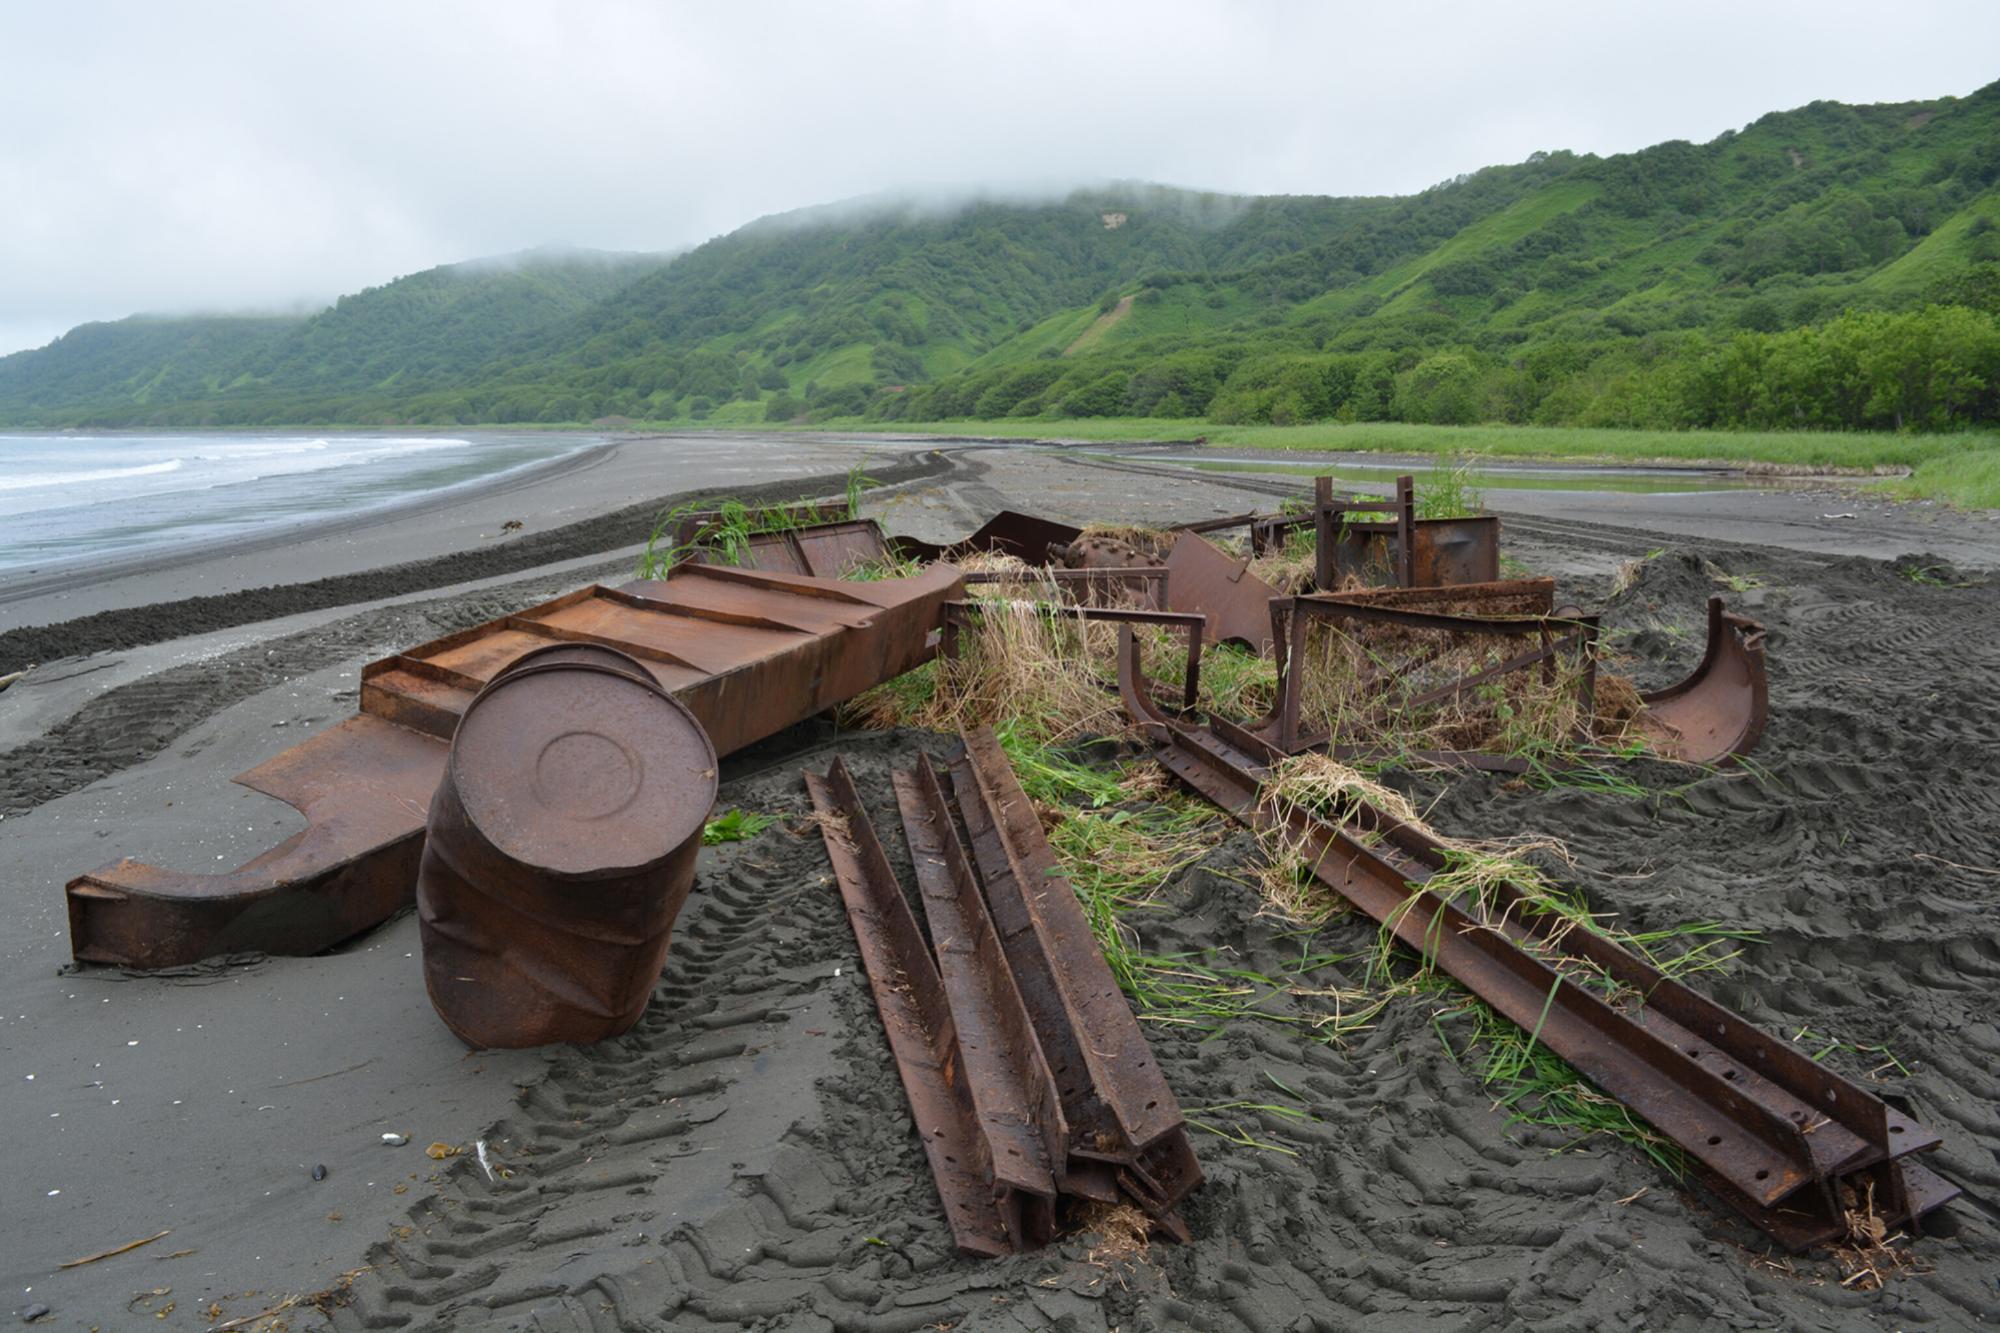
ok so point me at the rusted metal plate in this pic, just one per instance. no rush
(364, 787)
(748, 652)
(1124, 1111)
(1023, 536)
(1779, 1131)
(560, 848)
(1014, 1100)
(820, 550)
(1204, 579)
(1720, 711)
(910, 996)
(1444, 551)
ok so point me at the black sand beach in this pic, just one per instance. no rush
(744, 1158)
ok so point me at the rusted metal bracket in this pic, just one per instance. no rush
(1778, 1136)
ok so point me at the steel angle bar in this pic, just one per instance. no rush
(1146, 584)
(1014, 1098)
(910, 996)
(1104, 1064)
(1779, 1134)
(1135, 573)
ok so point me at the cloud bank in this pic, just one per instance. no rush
(234, 156)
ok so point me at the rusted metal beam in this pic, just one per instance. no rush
(1778, 1134)
(1143, 585)
(1125, 1112)
(749, 654)
(910, 997)
(1014, 1099)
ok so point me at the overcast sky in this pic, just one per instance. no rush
(177, 156)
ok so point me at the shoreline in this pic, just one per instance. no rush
(584, 503)
(79, 571)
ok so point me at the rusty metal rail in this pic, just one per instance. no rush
(748, 652)
(1778, 1136)
(1012, 1038)
(1013, 1093)
(1132, 1118)
(910, 996)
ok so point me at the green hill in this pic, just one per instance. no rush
(1830, 267)
(439, 327)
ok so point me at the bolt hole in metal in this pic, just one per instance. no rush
(1763, 1175)
(1714, 1139)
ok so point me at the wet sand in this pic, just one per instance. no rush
(744, 1159)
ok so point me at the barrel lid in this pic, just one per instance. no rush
(575, 769)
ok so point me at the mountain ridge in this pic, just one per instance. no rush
(1565, 288)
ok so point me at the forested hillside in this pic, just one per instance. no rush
(1830, 267)
(440, 327)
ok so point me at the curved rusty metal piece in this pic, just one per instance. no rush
(1720, 711)
(560, 847)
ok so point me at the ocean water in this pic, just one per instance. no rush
(66, 498)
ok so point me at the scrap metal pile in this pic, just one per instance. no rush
(538, 786)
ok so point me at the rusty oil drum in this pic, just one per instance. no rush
(560, 847)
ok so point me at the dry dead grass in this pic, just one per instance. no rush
(1870, 1257)
(1361, 684)
(1123, 1234)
